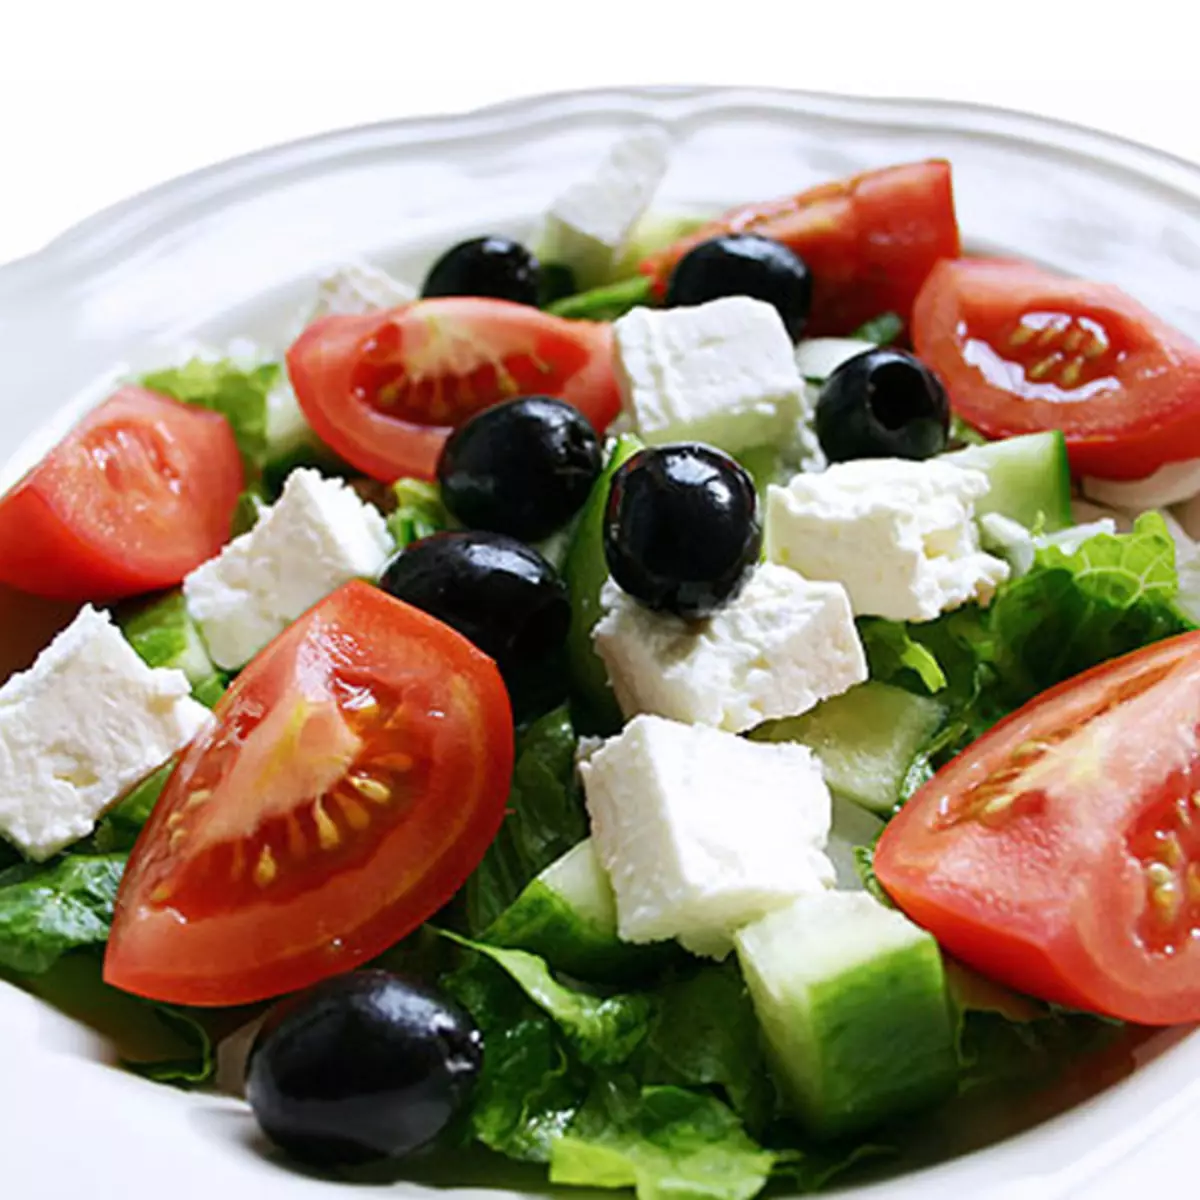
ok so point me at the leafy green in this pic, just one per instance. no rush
(196, 1066)
(119, 827)
(545, 819)
(419, 511)
(237, 392)
(46, 911)
(962, 434)
(602, 1030)
(864, 864)
(883, 330)
(164, 635)
(663, 1141)
(891, 651)
(705, 1034)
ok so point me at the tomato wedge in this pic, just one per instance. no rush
(385, 390)
(139, 493)
(356, 772)
(1060, 854)
(870, 241)
(1022, 350)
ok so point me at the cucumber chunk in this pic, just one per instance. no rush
(1029, 475)
(164, 635)
(585, 570)
(568, 916)
(852, 1002)
(865, 739)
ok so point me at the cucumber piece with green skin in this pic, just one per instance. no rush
(865, 739)
(585, 570)
(164, 635)
(1029, 475)
(568, 916)
(851, 998)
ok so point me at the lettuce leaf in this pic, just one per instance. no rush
(662, 1141)
(545, 819)
(419, 511)
(239, 393)
(118, 829)
(49, 909)
(892, 652)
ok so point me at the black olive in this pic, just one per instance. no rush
(486, 266)
(681, 528)
(745, 264)
(523, 468)
(361, 1067)
(883, 403)
(498, 593)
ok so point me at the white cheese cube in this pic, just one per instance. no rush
(899, 535)
(778, 648)
(78, 729)
(722, 372)
(356, 289)
(589, 224)
(316, 537)
(702, 832)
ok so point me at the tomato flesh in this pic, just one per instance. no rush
(138, 494)
(356, 772)
(386, 390)
(1060, 854)
(870, 241)
(1022, 350)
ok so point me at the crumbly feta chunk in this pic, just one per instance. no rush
(316, 537)
(899, 535)
(779, 647)
(78, 729)
(702, 832)
(587, 226)
(722, 372)
(358, 288)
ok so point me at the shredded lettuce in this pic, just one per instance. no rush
(545, 819)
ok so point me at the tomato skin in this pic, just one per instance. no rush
(870, 241)
(1134, 407)
(140, 492)
(455, 356)
(199, 920)
(1053, 890)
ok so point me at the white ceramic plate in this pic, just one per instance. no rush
(232, 250)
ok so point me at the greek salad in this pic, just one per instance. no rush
(677, 701)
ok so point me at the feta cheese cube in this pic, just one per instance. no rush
(358, 288)
(722, 372)
(899, 535)
(702, 832)
(587, 226)
(316, 537)
(78, 729)
(778, 648)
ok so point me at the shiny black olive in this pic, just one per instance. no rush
(883, 403)
(745, 264)
(523, 468)
(498, 593)
(486, 266)
(681, 528)
(361, 1067)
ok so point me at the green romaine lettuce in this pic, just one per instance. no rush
(419, 511)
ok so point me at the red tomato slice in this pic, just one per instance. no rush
(139, 493)
(1061, 853)
(1022, 350)
(870, 241)
(357, 771)
(385, 390)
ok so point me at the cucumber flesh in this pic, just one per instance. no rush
(585, 571)
(164, 635)
(865, 739)
(568, 916)
(851, 999)
(1030, 479)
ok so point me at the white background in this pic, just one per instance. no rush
(102, 98)
(105, 98)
